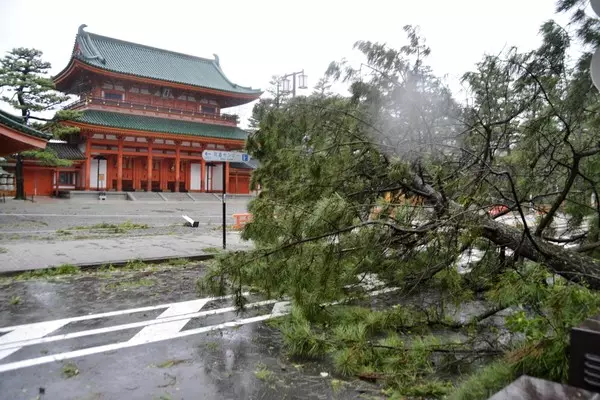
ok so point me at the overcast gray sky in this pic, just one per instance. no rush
(256, 39)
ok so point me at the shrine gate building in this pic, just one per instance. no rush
(147, 115)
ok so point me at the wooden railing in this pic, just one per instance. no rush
(231, 118)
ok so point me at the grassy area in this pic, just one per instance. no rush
(123, 227)
(211, 250)
(263, 373)
(64, 269)
(69, 270)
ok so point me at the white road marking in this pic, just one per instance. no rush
(122, 345)
(282, 308)
(114, 313)
(115, 328)
(167, 329)
(166, 326)
(28, 332)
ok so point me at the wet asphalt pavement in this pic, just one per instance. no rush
(245, 361)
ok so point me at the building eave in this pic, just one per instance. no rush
(239, 98)
(161, 135)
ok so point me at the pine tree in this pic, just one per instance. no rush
(398, 180)
(24, 75)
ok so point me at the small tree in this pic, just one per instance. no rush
(29, 89)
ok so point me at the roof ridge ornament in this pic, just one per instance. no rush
(89, 45)
(216, 59)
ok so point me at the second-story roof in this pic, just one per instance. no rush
(160, 125)
(150, 62)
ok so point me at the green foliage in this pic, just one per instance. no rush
(70, 370)
(64, 269)
(30, 89)
(47, 157)
(263, 373)
(24, 71)
(301, 339)
(485, 382)
(396, 181)
(178, 262)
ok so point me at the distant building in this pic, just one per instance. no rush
(147, 116)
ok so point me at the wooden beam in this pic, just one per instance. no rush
(88, 162)
(177, 166)
(120, 165)
(149, 187)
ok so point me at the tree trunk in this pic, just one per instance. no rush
(20, 187)
(567, 263)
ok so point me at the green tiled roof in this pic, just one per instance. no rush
(18, 124)
(149, 62)
(66, 151)
(162, 125)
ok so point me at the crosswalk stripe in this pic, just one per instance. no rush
(73, 335)
(166, 326)
(114, 313)
(167, 329)
(28, 332)
(122, 345)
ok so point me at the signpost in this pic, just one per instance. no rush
(224, 157)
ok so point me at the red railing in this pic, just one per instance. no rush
(231, 118)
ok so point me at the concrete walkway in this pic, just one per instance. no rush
(22, 256)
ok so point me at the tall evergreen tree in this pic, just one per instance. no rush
(27, 87)
(397, 182)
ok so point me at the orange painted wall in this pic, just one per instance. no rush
(38, 182)
(239, 183)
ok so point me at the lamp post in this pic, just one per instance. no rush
(285, 83)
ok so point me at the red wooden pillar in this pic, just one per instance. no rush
(164, 170)
(56, 183)
(226, 172)
(149, 187)
(177, 166)
(120, 165)
(135, 172)
(203, 175)
(88, 162)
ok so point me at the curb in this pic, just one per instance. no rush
(117, 263)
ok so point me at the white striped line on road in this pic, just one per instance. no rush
(112, 313)
(279, 308)
(141, 324)
(123, 345)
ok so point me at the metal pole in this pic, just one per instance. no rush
(294, 87)
(224, 210)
